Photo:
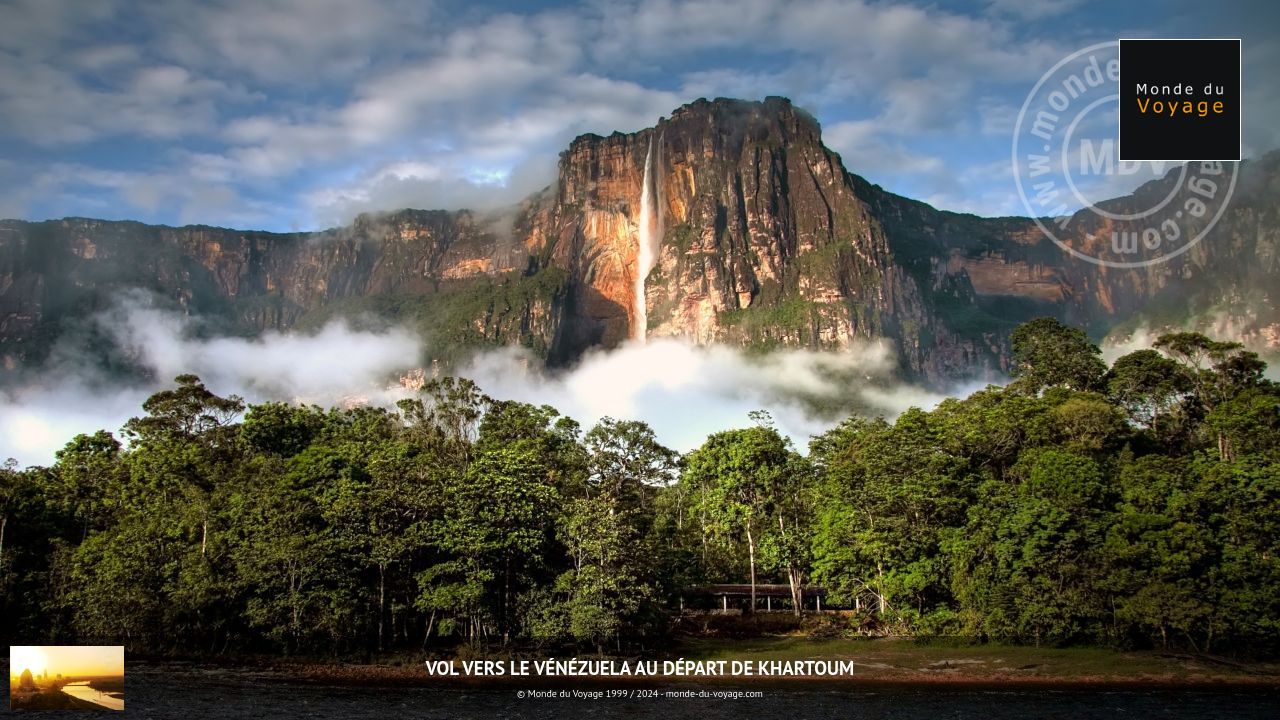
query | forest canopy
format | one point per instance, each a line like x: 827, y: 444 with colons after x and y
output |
x: 1136, y: 505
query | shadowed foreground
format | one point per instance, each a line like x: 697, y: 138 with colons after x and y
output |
x: 199, y: 693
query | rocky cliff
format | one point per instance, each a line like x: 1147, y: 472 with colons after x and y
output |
x: 765, y: 240
x: 727, y: 222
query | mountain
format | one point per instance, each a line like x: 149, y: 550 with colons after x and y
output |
x: 752, y: 233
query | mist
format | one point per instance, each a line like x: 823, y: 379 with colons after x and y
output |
x: 1216, y: 325
x: 684, y: 391
x: 421, y: 185
x: 75, y: 395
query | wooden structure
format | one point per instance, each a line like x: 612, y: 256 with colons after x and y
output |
x: 736, y: 595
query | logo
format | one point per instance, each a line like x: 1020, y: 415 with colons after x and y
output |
x: 1082, y: 196
x: 1180, y: 99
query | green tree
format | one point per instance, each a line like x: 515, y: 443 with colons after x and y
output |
x: 739, y: 476
x: 280, y: 428
x: 607, y: 589
x: 1087, y: 423
x: 889, y: 493
x: 381, y: 516
x: 9, y: 479
x: 1248, y: 423
x: 290, y: 568
x: 1158, y: 552
x: 1147, y: 385
x: 610, y: 586
x: 1026, y: 564
x: 1047, y: 353
x: 495, y: 534
x: 626, y: 461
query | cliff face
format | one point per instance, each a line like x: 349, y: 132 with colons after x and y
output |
x: 765, y: 240
x: 459, y: 273
x: 1225, y: 284
x: 757, y: 236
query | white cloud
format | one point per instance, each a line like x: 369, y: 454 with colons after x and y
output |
x: 42, y: 28
x: 867, y: 149
x: 981, y: 189
x: 1261, y: 103
x: 101, y: 58
x: 302, y: 100
x: 997, y: 117
x: 417, y: 184
x: 293, y: 42
x: 73, y: 397
x: 49, y: 105
x: 1033, y: 9
x: 921, y: 105
x: 122, y: 194
x: 656, y: 383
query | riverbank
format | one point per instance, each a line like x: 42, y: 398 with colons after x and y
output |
x: 904, y: 660
x: 54, y: 701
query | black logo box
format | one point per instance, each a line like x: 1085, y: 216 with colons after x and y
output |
x: 1185, y: 64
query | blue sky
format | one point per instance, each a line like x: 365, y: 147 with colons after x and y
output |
x: 297, y: 114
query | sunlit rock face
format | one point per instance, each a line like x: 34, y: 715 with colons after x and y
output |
x: 768, y: 240
x: 764, y: 241
x: 759, y: 237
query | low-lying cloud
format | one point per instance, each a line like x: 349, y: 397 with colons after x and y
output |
x: 686, y: 391
x: 1216, y: 325
x: 683, y: 390
x: 74, y: 395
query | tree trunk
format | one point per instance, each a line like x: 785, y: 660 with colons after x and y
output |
x: 751, y: 554
x: 295, y: 629
x: 431, y: 625
x: 880, y: 592
x: 1194, y: 645
x: 797, y: 594
x: 793, y: 575
x: 382, y: 600
x: 204, y: 536
x: 4, y: 520
x: 506, y: 595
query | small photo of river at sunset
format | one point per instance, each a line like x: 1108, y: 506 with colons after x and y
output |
x: 66, y: 677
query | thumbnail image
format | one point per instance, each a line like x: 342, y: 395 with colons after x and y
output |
x: 66, y: 677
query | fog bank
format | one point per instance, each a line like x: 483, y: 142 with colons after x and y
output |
x: 683, y: 390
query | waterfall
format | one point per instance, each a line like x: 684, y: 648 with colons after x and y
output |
x: 650, y: 237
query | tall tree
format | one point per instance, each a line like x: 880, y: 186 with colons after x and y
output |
x: 738, y: 474
x: 626, y: 461
x: 494, y: 536
x: 888, y: 494
x: 1047, y: 353
x: 1147, y: 385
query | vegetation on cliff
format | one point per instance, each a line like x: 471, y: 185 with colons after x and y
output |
x: 1132, y: 506
x: 466, y: 315
x: 770, y: 240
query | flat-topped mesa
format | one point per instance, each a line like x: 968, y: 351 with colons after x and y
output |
x: 766, y: 238
x: 746, y: 184
x: 757, y: 236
